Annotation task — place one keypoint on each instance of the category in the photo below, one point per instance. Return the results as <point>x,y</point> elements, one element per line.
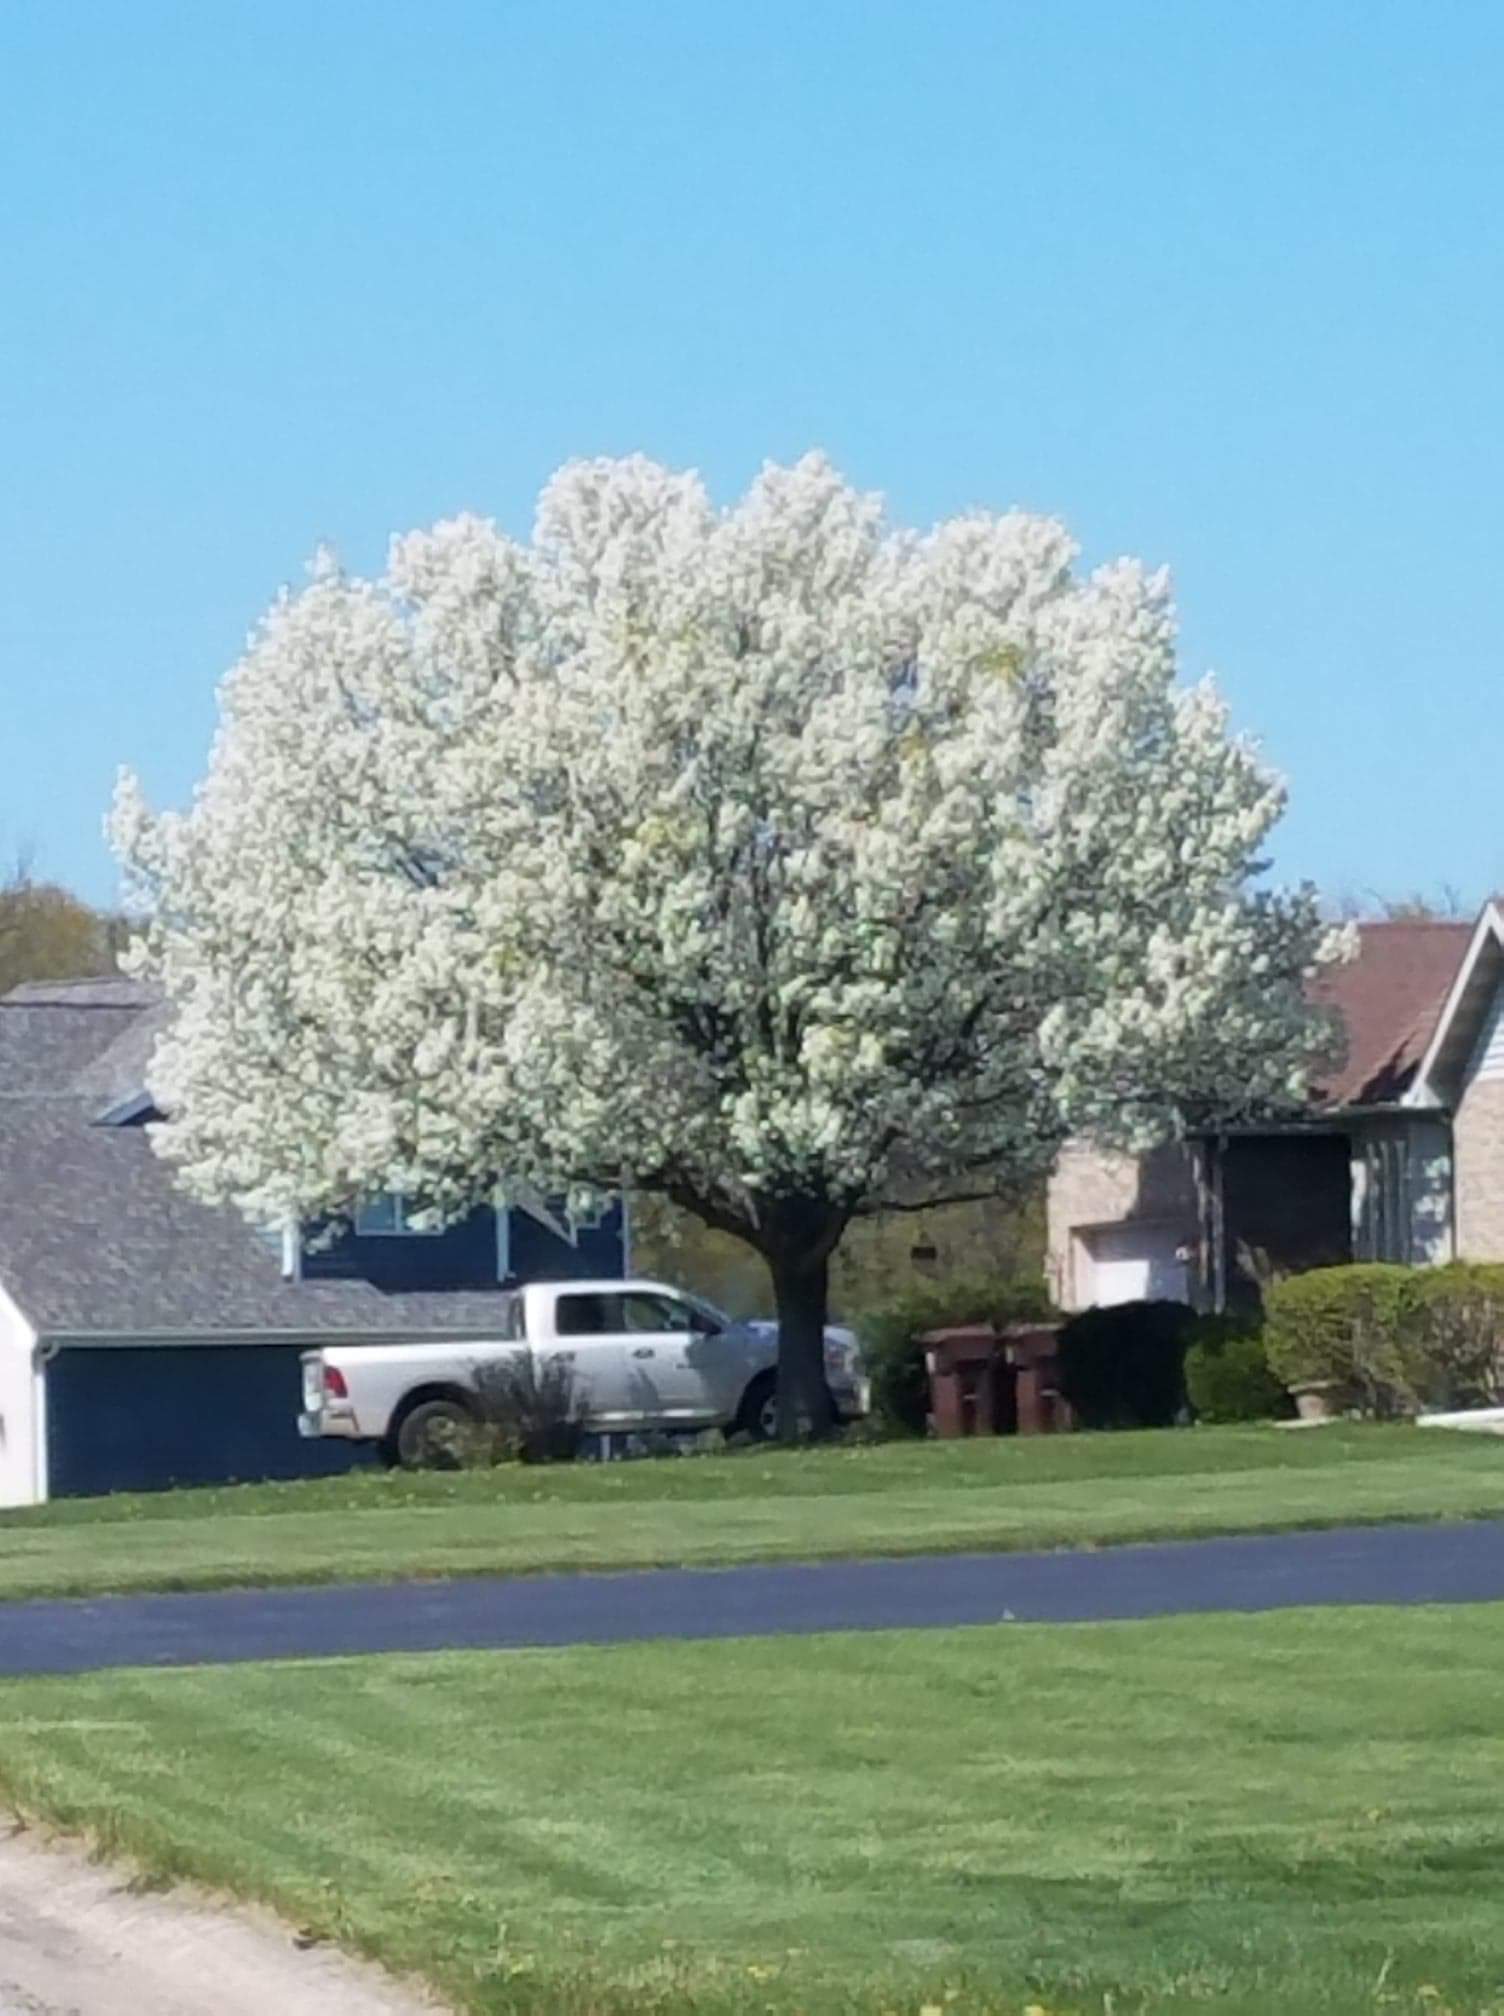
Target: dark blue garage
<point>141,1417</point>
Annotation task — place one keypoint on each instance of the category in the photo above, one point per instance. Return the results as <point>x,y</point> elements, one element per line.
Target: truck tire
<point>758,1414</point>
<point>431,1435</point>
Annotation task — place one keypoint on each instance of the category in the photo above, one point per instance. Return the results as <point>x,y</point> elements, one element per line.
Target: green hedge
<point>894,1357</point>
<point>1390,1340</point>
<point>1227,1376</point>
<point>1122,1366</point>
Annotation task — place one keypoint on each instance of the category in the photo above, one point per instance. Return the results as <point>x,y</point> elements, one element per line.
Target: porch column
<point>1360,1177</point>
<point>1211,1287</point>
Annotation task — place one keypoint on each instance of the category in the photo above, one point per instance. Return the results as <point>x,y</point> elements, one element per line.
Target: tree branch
<point>881,1207</point>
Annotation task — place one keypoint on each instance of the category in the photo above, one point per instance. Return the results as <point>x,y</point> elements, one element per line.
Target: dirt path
<point>76,1940</point>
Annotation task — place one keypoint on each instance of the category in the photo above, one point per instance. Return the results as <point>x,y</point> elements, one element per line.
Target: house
<point>1399,1157</point>
<point>149,1340</point>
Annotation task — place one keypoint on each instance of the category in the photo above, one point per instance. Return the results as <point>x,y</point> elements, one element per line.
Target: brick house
<point>1399,1157</point>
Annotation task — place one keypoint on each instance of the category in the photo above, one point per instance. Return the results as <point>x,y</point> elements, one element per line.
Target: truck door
<point>666,1374</point>
<point>587,1332</point>
<point>631,1351</point>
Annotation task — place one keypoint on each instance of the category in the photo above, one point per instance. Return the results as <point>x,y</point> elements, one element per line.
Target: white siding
<point>1402,1190</point>
<point>1431,1228</point>
<point>21,1477</point>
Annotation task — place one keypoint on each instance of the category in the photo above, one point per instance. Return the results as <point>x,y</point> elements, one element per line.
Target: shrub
<point>1227,1376</point>
<point>1122,1366</point>
<point>1390,1340</point>
<point>1351,1328</point>
<point>1461,1312</point>
<point>528,1405</point>
<point>890,1333</point>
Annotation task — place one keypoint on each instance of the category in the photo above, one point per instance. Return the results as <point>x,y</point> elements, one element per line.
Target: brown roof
<point>1389,999</point>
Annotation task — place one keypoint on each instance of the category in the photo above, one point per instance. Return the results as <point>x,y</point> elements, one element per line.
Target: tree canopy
<point>771,859</point>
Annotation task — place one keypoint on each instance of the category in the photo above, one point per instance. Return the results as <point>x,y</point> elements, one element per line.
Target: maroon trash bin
<point>1032,1350</point>
<point>965,1371</point>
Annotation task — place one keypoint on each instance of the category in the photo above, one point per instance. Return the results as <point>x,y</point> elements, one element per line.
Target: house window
<point>588,1214</point>
<point>386,1216</point>
<point>1384,1217</point>
<point>1395,1235</point>
<point>503,1242</point>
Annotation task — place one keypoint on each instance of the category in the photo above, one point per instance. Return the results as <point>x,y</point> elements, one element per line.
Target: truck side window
<point>587,1315</point>
<point>652,1312</point>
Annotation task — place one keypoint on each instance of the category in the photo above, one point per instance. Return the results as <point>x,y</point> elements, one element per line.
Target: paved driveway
<point>1462,1563</point>
<point>77,1939</point>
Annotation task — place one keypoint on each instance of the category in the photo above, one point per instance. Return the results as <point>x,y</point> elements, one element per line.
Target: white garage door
<point>1135,1263</point>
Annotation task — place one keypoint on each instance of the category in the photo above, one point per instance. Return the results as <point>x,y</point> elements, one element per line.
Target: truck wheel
<point>758,1414</point>
<point>434,1435</point>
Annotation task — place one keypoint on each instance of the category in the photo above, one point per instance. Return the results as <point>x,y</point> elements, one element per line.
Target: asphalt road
<point>1462,1563</point>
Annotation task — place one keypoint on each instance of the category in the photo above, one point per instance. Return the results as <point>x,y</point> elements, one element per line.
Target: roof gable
<point>1390,998</point>
<point>1464,1014</point>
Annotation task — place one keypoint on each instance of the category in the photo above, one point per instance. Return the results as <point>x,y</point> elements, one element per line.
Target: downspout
<point>626,1232</point>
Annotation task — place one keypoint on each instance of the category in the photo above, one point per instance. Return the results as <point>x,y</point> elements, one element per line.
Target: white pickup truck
<point>642,1355</point>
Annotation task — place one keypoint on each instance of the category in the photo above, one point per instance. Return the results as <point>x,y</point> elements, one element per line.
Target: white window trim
<point>292,1249</point>
<point>590,1220</point>
<point>399,1228</point>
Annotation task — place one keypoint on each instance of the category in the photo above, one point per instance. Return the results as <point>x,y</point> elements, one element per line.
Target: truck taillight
<point>334,1383</point>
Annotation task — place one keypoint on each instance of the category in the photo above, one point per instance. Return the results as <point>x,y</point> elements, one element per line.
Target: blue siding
<point>461,1256</point>
<point>144,1417</point>
<point>538,1256</point>
<point>147,1417</point>
<point>464,1255</point>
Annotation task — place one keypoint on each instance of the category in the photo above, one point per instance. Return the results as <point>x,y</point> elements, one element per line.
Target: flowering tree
<point>769,860</point>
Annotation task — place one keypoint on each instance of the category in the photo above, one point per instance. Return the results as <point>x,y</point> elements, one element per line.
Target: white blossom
<point>767,857</point>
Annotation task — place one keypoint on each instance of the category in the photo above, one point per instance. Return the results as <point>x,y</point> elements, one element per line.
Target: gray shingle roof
<point>96,991</point>
<point>42,1050</point>
<point>119,1069</point>
<point>96,1237</point>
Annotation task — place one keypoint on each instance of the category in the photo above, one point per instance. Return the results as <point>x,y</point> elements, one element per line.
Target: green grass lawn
<point>1292,1813</point>
<point>894,1498</point>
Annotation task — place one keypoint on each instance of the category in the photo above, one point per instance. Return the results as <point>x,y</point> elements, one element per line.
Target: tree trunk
<point>794,1237</point>
<point>800,1286</point>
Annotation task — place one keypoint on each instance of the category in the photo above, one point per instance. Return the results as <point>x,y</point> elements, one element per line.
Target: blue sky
<point>1222,285</point>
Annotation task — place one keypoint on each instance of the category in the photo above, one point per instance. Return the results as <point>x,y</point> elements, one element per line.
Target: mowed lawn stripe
<point>1288,1812</point>
<point>889,1499</point>
<point>840,1470</point>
